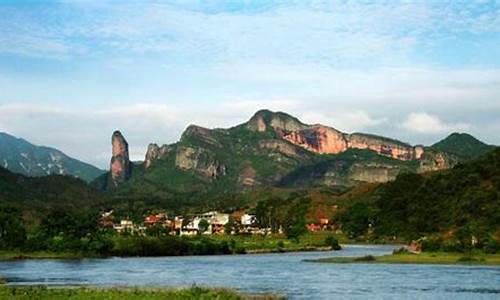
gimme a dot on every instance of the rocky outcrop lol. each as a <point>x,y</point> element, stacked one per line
<point>435,161</point>
<point>384,146</point>
<point>265,119</point>
<point>206,135</point>
<point>154,153</point>
<point>200,161</point>
<point>120,167</point>
<point>373,173</point>
<point>283,148</point>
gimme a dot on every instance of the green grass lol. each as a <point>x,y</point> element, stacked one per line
<point>15,254</point>
<point>45,293</point>
<point>423,258</point>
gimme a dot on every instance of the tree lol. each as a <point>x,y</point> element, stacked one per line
<point>203,225</point>
<point>230,226</point>
<point>12,231</point>
<point>295,222</point>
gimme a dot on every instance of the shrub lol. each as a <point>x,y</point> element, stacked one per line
<point>491,246</point>
<point>333,243</point>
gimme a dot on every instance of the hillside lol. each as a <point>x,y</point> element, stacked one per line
<point>22,157</point>
<point>271,149</point>
<point>37,194</point>
<point>461,201</point>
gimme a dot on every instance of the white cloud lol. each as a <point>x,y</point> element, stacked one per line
<point>430,124</point>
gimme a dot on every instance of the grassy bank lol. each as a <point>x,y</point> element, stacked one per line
<point>44,293</point>
<point>423,258</point>
<point>314,241</point>
<point>17,254</point>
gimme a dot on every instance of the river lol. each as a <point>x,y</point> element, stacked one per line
<point>284,274</point>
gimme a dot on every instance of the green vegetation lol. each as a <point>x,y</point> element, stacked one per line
<point>456,210</point>
<point>422,258</point>
<point>332,242</point>
<point>45,293</point>
<point>278,242</point>
<point>176,246</point>
<point>40,194</point>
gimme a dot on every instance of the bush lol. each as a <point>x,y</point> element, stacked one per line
<point>431,245</point>
<point>491,246</point>
<point>333,243</point>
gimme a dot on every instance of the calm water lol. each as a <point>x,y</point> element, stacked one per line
<point>277,273</point>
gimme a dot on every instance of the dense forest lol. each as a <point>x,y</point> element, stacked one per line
<point>452,209</point>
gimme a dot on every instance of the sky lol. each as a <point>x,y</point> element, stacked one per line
<point>71,72</point>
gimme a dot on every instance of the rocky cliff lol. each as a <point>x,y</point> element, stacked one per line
<point>326,140</point>
<point>120,166</point>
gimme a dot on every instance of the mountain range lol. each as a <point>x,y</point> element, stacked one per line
<point>20,156</point>
<point>276,149</point>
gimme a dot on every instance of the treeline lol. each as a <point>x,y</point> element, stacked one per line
<point>454,210</point>
<point>79,233</point>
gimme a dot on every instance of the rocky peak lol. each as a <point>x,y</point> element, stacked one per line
<point>265,119</point>
<point>120,166</point>
<point>206,135</point>
<point>155,152</point>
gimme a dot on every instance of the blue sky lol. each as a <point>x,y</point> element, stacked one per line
<point>73,71</point>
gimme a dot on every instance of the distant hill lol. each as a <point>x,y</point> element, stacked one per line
<point>20,156</point>
<point>463,145</point>
<point>270,149</point>
<point>39,193</point>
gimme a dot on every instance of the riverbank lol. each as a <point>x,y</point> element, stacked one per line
<point>422,258</point>
<point>200,245</point>
<point>77,293</point>
<point>17,254</point>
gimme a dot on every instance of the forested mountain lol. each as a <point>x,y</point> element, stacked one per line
<point>271,149</point>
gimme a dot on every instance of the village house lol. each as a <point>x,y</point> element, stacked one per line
<point>124,226</point>
<point>215,220</point>
<point>107,220</point>
<point>159,218</point>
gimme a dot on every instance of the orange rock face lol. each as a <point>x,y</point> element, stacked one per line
<point>325,140</point>
<point>321,140</point>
